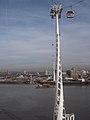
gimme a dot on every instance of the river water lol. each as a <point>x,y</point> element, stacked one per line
<point>25,102</point>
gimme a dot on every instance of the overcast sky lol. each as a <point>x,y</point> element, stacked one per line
<point>27,33</point>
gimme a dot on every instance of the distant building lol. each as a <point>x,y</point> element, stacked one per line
<point>73,73</point>
<point>47,72</point>
<point>25,72</point>
<point>68,79</point>
<point>20,77</point>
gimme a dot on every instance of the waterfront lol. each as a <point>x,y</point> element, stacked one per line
<point>25,102</point>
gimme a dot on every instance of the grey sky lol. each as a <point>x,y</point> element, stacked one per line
<point>27,32</point>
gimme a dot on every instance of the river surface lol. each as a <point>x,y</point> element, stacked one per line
<point>25,102</point>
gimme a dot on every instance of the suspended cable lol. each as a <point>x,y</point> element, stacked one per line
<point>73,4</point>
<point>6,12</point>
<point>51,2</point>
<point>85,3</point>
<point>53,49</point>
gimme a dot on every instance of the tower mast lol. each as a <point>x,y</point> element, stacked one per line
<point>59,110</point>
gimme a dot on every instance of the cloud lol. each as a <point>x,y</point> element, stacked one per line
<point>76,44</point>
<point>26,35</point>
<point>25,46</point>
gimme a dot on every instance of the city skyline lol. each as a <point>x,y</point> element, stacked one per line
<point>27,33</point>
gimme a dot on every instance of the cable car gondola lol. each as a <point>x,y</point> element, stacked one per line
<point>70,14</point>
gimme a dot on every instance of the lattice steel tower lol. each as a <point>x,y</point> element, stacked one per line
<point>59,109</point>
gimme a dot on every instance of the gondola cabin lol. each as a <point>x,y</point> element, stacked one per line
<point>70,14</point>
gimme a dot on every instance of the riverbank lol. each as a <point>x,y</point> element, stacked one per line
<point>76,82</point>
<point>47,83</point>
<point>9,81</point>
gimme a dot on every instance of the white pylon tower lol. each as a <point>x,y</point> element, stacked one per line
<point>59,109</point>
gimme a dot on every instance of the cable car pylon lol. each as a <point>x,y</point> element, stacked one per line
<point>59,109</point>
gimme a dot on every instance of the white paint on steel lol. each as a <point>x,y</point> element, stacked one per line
<point>59,110</point>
